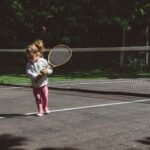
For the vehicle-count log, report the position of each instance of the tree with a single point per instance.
(78, 23)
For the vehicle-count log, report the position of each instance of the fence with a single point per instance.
(83, 52)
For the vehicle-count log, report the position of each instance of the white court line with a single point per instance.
(86, 107)
(101, 105)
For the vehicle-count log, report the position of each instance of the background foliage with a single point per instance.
(77, 23)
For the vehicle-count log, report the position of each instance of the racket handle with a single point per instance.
(46, 71)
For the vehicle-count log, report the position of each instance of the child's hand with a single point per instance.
(44, 71)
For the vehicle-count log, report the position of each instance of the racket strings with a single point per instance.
(59, 56)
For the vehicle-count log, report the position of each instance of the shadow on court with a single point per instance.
(57, 148)
(15, 115)
(11, 142)
(145, 141)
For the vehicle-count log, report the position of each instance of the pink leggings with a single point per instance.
(41, 96)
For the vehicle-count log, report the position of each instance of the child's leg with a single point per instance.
(44, 94)
(37, 95)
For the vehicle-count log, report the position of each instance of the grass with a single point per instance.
(23, 79)
(74, 75)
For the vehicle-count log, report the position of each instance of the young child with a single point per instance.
(37, 69)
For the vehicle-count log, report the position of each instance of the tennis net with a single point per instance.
(135, 87)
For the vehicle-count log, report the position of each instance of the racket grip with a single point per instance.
(47, 70)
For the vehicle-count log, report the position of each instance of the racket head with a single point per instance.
(59, 55)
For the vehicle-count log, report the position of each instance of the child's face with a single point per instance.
(32, 57)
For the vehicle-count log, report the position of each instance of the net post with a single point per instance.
(147, 57)
(147, 44)
(123, 44)
(121, 59)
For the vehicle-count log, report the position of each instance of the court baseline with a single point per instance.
(87, 107)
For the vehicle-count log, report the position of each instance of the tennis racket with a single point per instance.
(59, 55)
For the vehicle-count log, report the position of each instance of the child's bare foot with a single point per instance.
(47, 111)
(39, 114)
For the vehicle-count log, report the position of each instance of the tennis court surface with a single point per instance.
(85, 115)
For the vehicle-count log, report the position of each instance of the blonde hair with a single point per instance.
(36, 47)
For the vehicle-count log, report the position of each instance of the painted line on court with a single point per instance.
(84, 107)
(96, 106)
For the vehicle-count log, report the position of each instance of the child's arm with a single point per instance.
(32, 74)
(47, 70)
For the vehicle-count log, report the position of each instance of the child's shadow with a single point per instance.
(145, 141)
(15, 115)
(57, 148)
